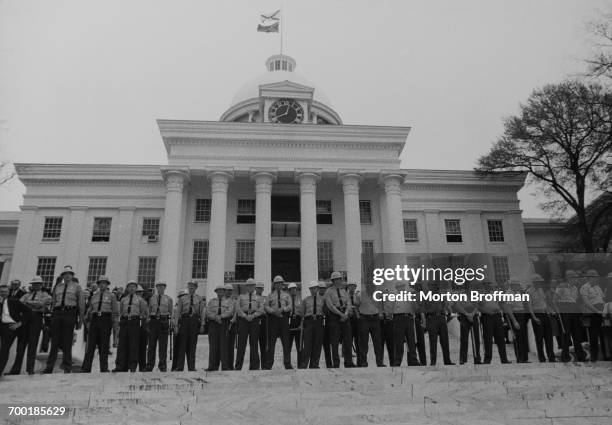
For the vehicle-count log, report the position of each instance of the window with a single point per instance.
(501, 270)
(199, 260)
(101, 229)
(410, 231)
(496, 230)
(202, 211)
(246, 211)
(277, 64)
(150, 227)
(52, 229)
(146, 271)
(284, 65)
(367, 261)
(453, 230)
(324, 212)
(325, 258)
(46, 270)
(245, 259)
(365, 212)
(97, 268)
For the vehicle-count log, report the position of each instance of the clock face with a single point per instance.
(286, 111)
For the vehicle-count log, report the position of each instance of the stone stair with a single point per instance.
(530, 394)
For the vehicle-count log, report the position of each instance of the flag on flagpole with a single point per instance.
(270, 22)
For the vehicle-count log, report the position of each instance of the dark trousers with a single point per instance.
(313, 342)
(326, 344)
(158, 338)
(594, 330)
(338, 331)
(263, 337)
(187, 340)
(355, 335)
(98, 336)
(493, 329)
(232, 342)
(62, 330)
(544, 337)
(7, 337)
(436, 327)
(369, 325)
(294, 336)
(521, 344)
(248, 330)
(386, 330)
(465, 328)
(175, 349)
(278, 327)
(217, 345)
(28, 337)
(403, 331)
(142, 347)
(571, 332)
(420, 340)
(129, 345)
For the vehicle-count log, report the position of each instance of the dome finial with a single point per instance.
(280, 63)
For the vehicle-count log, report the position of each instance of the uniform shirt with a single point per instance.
(489, 307)
(160, 305)
(515, 306)
(220, 308)
(296, 300)
(103, 302)
(250, 304)
(566, 293)
(339, 298)
(133, 306)
(537, 299)
(467, 305)
(38, 301)
(272, 302)
(592, 293)
(388, 307)
(74, 295)
(191, 305)
(367, 305)
(307, 306)
(402, 307)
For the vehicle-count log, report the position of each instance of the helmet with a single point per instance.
(192, 282)
(591, 273)
(292, 285)
(313, 284)
(335, 275)
(570, 274)
(351, 283)
(536, 278)
(219, 288)
(228, 287)
(37, 279)
(278, 279)
(161, 283)
(131, 282)
(260, 285)
(322, 285)
(139, 288)
(183, 291)
(250, 281)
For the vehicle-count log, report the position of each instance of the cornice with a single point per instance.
(427, 178)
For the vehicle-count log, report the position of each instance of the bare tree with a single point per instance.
(561, 137)
(600, 64)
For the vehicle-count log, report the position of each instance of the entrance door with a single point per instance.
(286, 262)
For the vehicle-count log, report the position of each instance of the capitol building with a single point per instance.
(277, 185)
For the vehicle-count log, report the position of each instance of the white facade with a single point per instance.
(282, 175)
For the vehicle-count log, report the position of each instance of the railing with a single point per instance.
(285, 229)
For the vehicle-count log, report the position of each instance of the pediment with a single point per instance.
(286, 89)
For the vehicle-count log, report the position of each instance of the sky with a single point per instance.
(84, 81)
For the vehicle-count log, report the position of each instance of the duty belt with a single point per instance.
(161, 317)
(133, 317)
(369, 316)
(403, 315)
(65, 308)
(102, 313)
(311, 317)
(186, 315)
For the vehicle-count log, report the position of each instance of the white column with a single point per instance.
(434, 231)
(122, 244)
(263, 226)
(23, 264)
(171, 229)
(6, 269)
(392, 184)
(309, 264)
(219, 181)
(352, 225)
(76, 233)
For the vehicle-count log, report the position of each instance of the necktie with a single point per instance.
(250, 300)
(293, 305)
(130, 304)
(314, 309)
(158, 304)
(191, 305)
(33, 295)
(64, 294)
(339, 298)
(100, 301)
(219, 309)
(279, 303)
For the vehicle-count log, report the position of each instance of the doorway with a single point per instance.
(286, 262)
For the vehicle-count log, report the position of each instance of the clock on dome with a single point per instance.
(286, 111)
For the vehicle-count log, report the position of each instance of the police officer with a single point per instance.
(68, 308)
(492, 325)
(386, 324)
(132, 310)
(218, 313)
(469, 323)
(355, 296)
(278, 307)
(160, 312)
(370, 316)
(435, 313)
(263, 323)
(102, 315)
(39, 302)
(192, 310)
(593, 301)
(339, 304)
(540, 311)
(565, 300)
(310, 312)
(249, 310)
(143, 335)
(15, 290)
(232, 295)
(522, 316)
(294, 320)
(174, 335)
(420, 328)
(403, 328)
